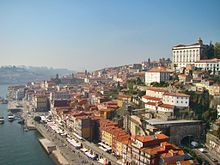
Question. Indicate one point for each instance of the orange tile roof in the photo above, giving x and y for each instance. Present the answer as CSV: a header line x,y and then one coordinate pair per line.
x,y
151,98
176,94
159,69
166,106
157,89
161,136
143,138
151,103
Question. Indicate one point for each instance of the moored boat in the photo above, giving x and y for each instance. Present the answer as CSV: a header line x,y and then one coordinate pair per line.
x,y
3,101
2,120
11,117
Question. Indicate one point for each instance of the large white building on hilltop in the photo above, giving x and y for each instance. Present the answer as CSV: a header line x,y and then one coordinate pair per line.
x,y
184,55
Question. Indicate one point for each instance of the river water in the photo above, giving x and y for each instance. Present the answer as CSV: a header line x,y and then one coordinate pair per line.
x,y
18,147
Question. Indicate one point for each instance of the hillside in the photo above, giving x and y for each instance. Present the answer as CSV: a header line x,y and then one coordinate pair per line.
x,y
23,74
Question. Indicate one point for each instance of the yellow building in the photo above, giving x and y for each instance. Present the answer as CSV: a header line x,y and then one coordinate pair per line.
x,y
107,136
123,98
106,113
120,141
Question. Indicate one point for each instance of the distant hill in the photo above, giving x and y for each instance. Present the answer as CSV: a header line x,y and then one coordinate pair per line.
x,y
24,74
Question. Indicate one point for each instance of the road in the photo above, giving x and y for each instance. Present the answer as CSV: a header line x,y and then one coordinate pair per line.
x,y
74,156
204,156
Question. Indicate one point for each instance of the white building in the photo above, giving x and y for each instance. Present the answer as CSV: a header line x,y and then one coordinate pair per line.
x,y
19,95
60,95
184,55
209,64
163,101
157,74
166,108
176,99
155,92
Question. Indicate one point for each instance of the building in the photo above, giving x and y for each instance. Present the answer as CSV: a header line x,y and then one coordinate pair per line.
x,y
83,126
209,65
188,54
157,74
59,95
218,111
20,93
122,98
176,99
41,103
139,143
159,100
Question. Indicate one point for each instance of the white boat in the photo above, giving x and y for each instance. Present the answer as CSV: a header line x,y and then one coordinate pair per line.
x,y
11,117
2,120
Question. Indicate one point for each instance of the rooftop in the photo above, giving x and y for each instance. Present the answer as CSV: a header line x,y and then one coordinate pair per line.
x,y
159,69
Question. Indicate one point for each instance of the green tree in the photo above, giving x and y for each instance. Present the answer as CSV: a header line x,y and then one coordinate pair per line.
x,y
210,51
217,50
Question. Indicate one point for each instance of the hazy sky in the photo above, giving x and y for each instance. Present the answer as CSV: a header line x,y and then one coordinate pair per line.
x,y
92,34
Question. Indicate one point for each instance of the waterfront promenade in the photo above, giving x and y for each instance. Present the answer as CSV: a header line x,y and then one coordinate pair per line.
x,y
73,156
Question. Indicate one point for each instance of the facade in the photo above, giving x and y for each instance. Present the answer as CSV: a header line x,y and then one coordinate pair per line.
x,y
160,100
157,74
176,99
41,103
209,64
83,127
184,55
59,95
19,95
152,150
123,98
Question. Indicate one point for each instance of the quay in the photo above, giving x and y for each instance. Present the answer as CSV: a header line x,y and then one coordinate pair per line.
x,y
59,157
30,124
51,148
48,145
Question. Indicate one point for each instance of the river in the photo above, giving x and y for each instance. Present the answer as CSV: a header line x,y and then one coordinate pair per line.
x,y
18,147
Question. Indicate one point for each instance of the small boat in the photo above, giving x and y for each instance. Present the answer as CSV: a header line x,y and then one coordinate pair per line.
x,y
11,117
26,129
2,120
3,101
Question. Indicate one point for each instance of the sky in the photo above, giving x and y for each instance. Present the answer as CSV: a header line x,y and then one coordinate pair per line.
x,y
92,34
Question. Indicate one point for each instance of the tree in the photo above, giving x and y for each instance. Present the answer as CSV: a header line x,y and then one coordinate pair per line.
x,y
210,51
217,50
139,82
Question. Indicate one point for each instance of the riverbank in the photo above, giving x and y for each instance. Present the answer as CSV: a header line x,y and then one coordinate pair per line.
x,y
73,156
49,146
52,150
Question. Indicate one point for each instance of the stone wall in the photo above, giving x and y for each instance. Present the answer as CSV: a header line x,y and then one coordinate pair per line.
x,y
213,144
